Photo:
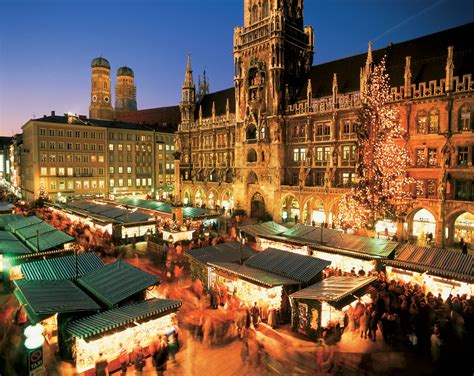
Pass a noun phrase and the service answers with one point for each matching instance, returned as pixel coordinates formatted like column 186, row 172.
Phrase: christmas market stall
column 439, row 271
column 129, row 325
column 119, row 222
column 199, row 258
column 25, row 239
column 268, row 278
column 85, row 307
column 324, row 304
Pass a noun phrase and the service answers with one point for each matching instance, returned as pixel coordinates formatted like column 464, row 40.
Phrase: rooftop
column 436, row 261
column 337, row 291
column 63, row 267
column 45, row 298
column 116, row 282
column 225, row 252
column 287, row 264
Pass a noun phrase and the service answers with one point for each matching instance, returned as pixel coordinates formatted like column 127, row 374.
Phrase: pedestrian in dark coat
column 255, row 315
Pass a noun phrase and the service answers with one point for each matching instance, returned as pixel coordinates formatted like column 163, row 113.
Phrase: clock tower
column 101, row 99
column 273, row 53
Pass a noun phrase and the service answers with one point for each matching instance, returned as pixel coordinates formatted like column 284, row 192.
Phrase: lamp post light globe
column 34, row 336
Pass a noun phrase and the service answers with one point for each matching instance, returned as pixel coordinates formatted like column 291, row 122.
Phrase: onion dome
column 100, row 62
column 125, row 71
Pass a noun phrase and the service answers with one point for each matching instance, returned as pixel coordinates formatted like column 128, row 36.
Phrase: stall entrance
column 257, row 206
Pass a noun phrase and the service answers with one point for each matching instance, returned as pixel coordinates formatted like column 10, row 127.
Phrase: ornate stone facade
column 282, row 141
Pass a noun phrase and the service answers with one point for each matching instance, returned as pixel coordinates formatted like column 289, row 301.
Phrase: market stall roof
column 287, row 264
column 24, row 222
column 254, row 275
column 263, row 229
column 335, row 290
column 163, row 207
column 116, row 282
column 49, row 240
column 436, row 261
column 39, row 228
column 6, row 206
column 133, row 217
column 189, row 212
column 106, row 211
column 63, row 267
column 361, row 246
column 5, row 220
column 45, row 298
column 11, row 245
column 225, row 252
column 122, row 316
column 310, row 234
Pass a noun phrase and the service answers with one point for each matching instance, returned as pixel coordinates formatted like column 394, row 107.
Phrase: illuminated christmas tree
column 382, row 161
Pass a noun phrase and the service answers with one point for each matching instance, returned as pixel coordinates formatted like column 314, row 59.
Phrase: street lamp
column 34, row 336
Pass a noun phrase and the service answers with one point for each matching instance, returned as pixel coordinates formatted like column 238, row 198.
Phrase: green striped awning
column 45, row 298
column 121, row 317
column 113, row 283
column 254, row 275
column 63, row 267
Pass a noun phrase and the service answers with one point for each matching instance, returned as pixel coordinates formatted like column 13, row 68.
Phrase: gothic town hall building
column 281, row 141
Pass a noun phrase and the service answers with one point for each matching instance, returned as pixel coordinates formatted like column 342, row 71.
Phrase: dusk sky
column 46, row 46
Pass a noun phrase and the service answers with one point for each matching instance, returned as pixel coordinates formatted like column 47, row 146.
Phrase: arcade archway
column 314, row 212
column 464, row 228
column 290, row 209
column 424, row 222
column 257, row 205
column 199, row 198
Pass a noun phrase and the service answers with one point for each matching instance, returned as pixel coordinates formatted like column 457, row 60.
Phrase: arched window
column 434, row 121
column 252, row 156
column 265, row 10
column 262, row 133
column 251, row 132
column 263, row 156
column 254, row 17
column 465, row 119
column 421, row 122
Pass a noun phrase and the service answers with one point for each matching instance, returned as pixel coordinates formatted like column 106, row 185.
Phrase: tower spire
column 369, row 61
column 188, row 77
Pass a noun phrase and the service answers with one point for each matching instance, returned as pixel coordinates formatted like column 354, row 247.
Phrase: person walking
column 160, row 357
column 101, row 365
column 172, row 347
column 255, row 311
column 123, row 359
column 364, row 323
column 464, row 249
column 139, row 361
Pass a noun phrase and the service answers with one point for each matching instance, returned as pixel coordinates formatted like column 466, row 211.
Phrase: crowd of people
column 162, row 350
column 405, row 314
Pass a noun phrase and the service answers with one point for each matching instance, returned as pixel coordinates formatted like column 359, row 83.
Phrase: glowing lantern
column 34, row 336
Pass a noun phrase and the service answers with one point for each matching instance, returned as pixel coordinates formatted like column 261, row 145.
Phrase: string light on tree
column 382, row 161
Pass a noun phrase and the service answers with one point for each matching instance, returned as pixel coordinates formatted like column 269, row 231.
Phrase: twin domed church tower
column 101, row 92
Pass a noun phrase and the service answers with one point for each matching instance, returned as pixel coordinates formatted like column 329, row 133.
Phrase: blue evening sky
column 46, row 46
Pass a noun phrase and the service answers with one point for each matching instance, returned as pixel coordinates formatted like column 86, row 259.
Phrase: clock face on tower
column 94, row 98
